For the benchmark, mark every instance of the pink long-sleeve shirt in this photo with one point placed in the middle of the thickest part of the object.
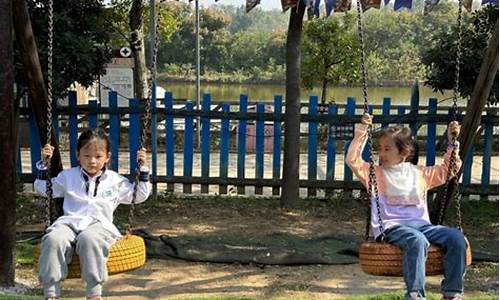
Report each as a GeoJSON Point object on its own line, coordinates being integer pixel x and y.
{"type": "Point", "coordinates": [402, 188]}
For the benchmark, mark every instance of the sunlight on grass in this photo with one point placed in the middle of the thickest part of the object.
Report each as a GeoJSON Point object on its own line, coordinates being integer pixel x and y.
{"type": "Point", "coordinates": [24, 253]}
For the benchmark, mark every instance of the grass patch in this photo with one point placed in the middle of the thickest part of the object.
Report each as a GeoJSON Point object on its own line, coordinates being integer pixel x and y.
{"type": "Point", "coordinates": [24, 253]}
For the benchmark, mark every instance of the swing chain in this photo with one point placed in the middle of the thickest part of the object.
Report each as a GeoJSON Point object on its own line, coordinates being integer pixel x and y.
{"type": "Point", "coordinates": [452, 175]}
{"type": "Point", "coordinates": [458, 59]}
{"type": "Point", "coordinates": [147, 117]}
{"type": "Point", "coordinates": [48, 185]}
{"type": "Point", "coordinates": [372, 180]}
{"type": "Point", "coordinates": [453, 168]}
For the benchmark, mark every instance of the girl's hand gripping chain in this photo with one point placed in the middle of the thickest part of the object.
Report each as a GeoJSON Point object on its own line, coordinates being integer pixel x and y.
{"type": "Point", "coordinates": [366, 119]}
{"type": "Point", "coordinates": [453, 130]}
{"type": "Point", "coordinates": [142, 156]}
{"type": "Point", "coordinates": [47, 153]}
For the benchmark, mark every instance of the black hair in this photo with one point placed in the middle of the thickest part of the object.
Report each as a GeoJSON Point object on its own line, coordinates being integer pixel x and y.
{"type": "Point", "coordinates": [89, 135]}
{"type": "Point", "coordinates": [404, 141]}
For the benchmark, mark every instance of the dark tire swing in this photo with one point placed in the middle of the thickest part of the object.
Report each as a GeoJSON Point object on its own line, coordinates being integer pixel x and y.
{"type": "Point", "coordinates": [382, 258]}
{"type": "Point", "coordinates": [128, 253]}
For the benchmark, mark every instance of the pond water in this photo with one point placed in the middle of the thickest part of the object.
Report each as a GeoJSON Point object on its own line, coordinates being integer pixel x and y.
{"type": "Point", "coordinates": [265, 92]}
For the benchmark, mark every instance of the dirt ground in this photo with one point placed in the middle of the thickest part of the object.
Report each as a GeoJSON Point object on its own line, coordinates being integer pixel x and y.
{"type": "Point", "coordinates": [254, 217]}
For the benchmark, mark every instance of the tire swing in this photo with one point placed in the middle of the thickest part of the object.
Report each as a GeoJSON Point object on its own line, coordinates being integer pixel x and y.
{"type": "Point", "coordinates": [382, 258]}
{"type": "Point", "coordinates": [128, 253]}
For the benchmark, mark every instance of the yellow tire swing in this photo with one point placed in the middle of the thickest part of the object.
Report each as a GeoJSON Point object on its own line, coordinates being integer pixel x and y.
{"type": "Point", "coordinates": [382, 258]}
{"type": "Point", "coordinates": [128, 253]}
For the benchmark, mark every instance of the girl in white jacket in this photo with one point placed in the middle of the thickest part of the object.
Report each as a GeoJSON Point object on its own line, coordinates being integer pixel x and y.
{"type": "Point", "coordinates": [91, 194]}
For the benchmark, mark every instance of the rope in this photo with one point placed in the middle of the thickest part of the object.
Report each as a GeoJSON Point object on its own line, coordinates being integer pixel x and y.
{"type": "Point", "coordinates": [145, 125]}
{"type": "Point", "coordinates": [372, 181]}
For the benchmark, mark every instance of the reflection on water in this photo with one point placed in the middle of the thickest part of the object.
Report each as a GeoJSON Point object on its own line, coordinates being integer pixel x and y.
{"type": "Point", "coordinates": [263, 92]}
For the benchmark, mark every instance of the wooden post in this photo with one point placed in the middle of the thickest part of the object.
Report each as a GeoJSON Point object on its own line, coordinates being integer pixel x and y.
{"type": "Point", "coordinates": [25, 41]}
{"type": "Point", "coordinates": [8, 149]}
{"type": "Point", "coordinates": [290, 183]}
{"type": "Point", "coordinates": [472, 119]}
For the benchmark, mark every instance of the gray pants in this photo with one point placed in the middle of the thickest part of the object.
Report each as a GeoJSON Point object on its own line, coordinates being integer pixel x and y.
{"type": "Point", "coordinates": [92, 245]}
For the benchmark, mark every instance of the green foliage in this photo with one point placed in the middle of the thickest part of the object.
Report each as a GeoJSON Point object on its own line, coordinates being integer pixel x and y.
{"type": "Point", "coordinates": [180, 48]}
{"type": "Point", "coordinates": [81, 44]}
{"type": "Point", "coordinates": [439, 57]}
{"type": "Point", "coordinates": [168, 18]}
{"type": "Point", "coordinates": [226, 56]}
{"type": "Point", "coordinates": [330, 51]}
{"type": "Point", "coordinates": [246, 47]}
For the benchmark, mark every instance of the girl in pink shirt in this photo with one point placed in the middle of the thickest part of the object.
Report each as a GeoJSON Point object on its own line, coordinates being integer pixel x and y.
{"type": "Point", "coordinates": [403, 188]}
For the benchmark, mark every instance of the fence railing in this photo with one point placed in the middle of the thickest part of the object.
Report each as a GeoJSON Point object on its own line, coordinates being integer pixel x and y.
{"type": "Point", "coordinates": [239, 139]}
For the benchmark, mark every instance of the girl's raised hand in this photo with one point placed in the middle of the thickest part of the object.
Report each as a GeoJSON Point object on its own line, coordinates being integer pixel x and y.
{"type": "Point", "coordinates": [453, 130]}
{"type": "Point", "coordinates": [142, 156]}
{"type": "Point", "coordinates": [47, 153]}
{"type": "Point", "coordinates": [366, 119]}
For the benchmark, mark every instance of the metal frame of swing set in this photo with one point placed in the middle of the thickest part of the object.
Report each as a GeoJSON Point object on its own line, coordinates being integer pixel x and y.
{"type": "Point", "coordinates": [128, 253]}
{"type": "Point", "coordinates": [381, 258]}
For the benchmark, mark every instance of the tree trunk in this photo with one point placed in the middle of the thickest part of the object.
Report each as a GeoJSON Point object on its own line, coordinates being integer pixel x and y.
{"type": "Point", "coordinates": [137, 46]}
{"type": "Point", "coordinates": [8, 150]}
{"type": "Point", "coordinates": [323, 90]}
{"type": "Point", "coordinates": [472, 119]}
{"type": "Point", "coordinates": [25, 41]}
{"type": "Point", "coordinates": [290, 184]}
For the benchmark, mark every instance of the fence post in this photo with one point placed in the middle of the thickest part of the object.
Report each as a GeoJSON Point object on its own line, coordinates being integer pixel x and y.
{"type": "Point", "coordinates": [114, 130]}
{"type": "Point", "coordinates": [169, 139]}
{"type": "Point", "coordinates": [312, 145]}
{"type": "Point", "coordinates": [278, 105]}
{"type": "Point", "coordinates": [134, 134]}
{"type": "Point", "coordinates": [259, 148]}
{"type": "Point", "coordinates": [224, 148]}
{"type": "Point", "coordinates": [55, 121]}
{"type": "Point", "coordinates": [242, 131]}
{"type": "Point", "coordinates": [386, 110]}
{"type": "Point", "coordinates": [34, 145]}
{"type": "Point", "coordinates": [401, 112]}
{"type": "Point", "coordinates": [431, 134]}
{"type": "Point", "coordinates": [205, 142]}
{"type": "Point", "coordinates": [330, 150]}
{"type": "Point", "coordinates": [93, 114]}
{"type": "Point", "coordinates": [188, 148]}
{"type": "Point", "coordinates": [73, 128]}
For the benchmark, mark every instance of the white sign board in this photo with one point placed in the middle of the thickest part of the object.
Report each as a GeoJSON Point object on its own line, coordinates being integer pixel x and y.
{"type": "Point", "coordinates": [120, 80]}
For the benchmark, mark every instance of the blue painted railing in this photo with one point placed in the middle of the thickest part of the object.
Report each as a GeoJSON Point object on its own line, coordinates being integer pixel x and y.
{"type": "Point", "coordinates": [217, 135]}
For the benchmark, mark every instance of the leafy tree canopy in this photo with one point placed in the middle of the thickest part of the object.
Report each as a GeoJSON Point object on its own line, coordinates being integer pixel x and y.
{"type": "Point", "coordinates": [439, 55]}
{"type": "Point", "coordinates": [330, 51]}
{"type": "Point", "coordinates": [81, 45]}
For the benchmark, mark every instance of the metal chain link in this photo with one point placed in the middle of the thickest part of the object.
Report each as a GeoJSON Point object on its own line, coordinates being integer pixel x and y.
{"type": "Point", "coordinates": [372, 180]}
{"type": "Point", "coordinates": [147, 117]}
{"type": "Point", "coordinates": [48, 185]}
{"type": "Point", "coordinates": [452, 167]}
{"type": "Point", "coordinates": [458, 59]}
